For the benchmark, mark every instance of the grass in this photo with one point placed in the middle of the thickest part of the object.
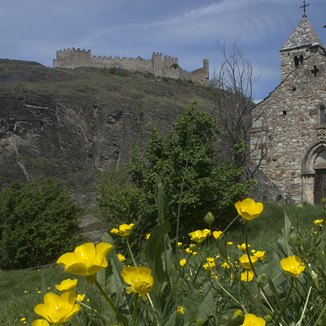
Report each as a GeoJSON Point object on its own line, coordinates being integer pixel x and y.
{"type": "Point", "coordinates": [22, 290]}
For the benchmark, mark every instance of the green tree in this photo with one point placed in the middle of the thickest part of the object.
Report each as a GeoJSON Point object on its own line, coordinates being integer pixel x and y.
{"type": "Point", "coordinates": [38, 222]}
{"type": "Point", "coordinates": [121, 203]}
{"type": "Point", "coordinates": [210, 185]}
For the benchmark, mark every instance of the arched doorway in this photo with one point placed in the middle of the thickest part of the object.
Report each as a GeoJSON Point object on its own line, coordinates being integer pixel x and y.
{"type": "Point", "coordinates": [320, 178]}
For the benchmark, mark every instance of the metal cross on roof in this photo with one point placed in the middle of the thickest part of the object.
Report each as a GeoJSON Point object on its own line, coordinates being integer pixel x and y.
{"type": "Point", "coordinates": [304, 7]}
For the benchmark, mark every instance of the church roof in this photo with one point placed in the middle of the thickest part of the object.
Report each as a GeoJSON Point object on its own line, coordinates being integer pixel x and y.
{"type": "Point", "coordinates": [303, 36]}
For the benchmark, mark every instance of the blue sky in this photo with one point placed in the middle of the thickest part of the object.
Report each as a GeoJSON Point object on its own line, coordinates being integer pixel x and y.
{"type": "Point", "coordinates": [187, 29]}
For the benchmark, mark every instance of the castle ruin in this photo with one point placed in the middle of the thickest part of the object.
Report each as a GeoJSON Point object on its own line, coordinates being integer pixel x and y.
{"type": "Point", "coordinates": [167, 67]}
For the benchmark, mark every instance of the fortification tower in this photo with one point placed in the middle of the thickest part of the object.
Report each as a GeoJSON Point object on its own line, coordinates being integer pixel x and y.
{"type": "Point", "coordinates": [302, 43]}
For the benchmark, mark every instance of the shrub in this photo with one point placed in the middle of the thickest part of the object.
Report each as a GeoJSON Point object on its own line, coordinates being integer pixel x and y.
{"type": "Point", "coordinates": [38, 222]}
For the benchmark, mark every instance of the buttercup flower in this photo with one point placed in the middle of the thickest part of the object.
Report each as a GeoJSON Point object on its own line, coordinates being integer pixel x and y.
{"type": "Point", "coordinates": [229, 243]}
{"type": "Point", "coordinates": [121, 258]}
{"type": "Point", "coordinates": [140, 279]}
{"type": "Point", "coordinates": [247, 276]}
{"type": "Point", "coordinates": [243, 247]}
{"type": "Point", "coordinates": [244, 260]}
{"type": "Point", "coordinates": [217, 235]}
{"type": "Point", "coordinates": [260, 254]}
{"type": "Point", "coordinates": [192, 246]}
{"type": "Point", "coordinates": [182, 262]}
{"type": "Point", "coordinates": [188, 251]}
{"type": "Point", "coordinates": [248, 209]}
{"type": "Point", "coordinates": [206, 232]}
{"type": "Point", "coordinates": [252, 320]}
{"type": "Point", "coordinates": [179, 244]}
{"type": "Point", "coordinates": [86, 260]}
{"type": "Point", "coordinates": [197, 236]}
{"type": "Point", "coordinates": [209, 265]}
{"type": "Point", "coordinates": [225, 265]}
{"type": "Point", "coordinates": [318, 222]}
{"type": "Point", "coordinates": [124, 230]}
{"type": "Point", "coordinates": [293, 266]}
{"type": "Point", "coordinates": [194, 253]}
{"type": "Point", "coordinates": [57, 310]}
{"type": "Point", "coordinates": [80, 297]}
{"type": "Point", "coordinates": [67, 285]}
{"type": "Point", "coordinates": [146, 236]}
{"type": "Point", "coordinates": [40, 322]}
{"type": "Point", "coordinates": [180, 310]}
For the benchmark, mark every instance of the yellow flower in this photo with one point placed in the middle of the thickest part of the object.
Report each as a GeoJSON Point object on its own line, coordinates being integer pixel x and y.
{"type": "Point", "coordinates": [180, 310]}
{"type": "Point", "coordinates": [248, 209]}
{"type": "Point", "coordinates": [40, 322]}
{"type": "Point", "coordinates": [217, 235]}
{"type": "Point", "coordinates": [121, 258]}
{"type": "Point", "coordinates": [124, 230]}
{"type": "Point", "coordinates": [146, 236]}
{"type": "Point", "coordinates": [209, 265]}
{"type": "Point", "coordinates": [57, 309]}
{"type": "Point", "coordinates": [244, 260]}
{"type": "Point", "coordinates": [252, 320]}
{"type": "Point", "coordinates": [67, 285]}
{"type": "Point", "coordinates": [179, 244]}
{"type": "Point", "coordinates": [140, 279]}
{"type": "Point", "coordinates": [318, 222]}
{"type": "Point", "coordinates": [194, 253]}
{"type": "Point", "coordinates": [23, 319]}
{"type": "Point", "coordinates": [182, 262]}
{"type": "Point", "coordinates": [80, 297]}
{"type": "Point", "coordinates": [247, 275]}
{"type": "Point", "coordinates": [243, 247]}
{"type": "Point", "coordinates": [206, 232]}
{"type": "Point", "coordinates": [86, 260]}
{"type": "Point", "coordinates": [237, 318]}
{"type": "Point", "coordinates": [260, 254]}
{"type": "Point", "coordinates": [293, 266]}
{"type": "Point", "coordinates": [188, 251]}
{"type": "Point", "coordinates": [225, 265]}
{"type": "Point", "coordinates": [197, 236]}
{"type": "Point", "coordinates": [229, 243]}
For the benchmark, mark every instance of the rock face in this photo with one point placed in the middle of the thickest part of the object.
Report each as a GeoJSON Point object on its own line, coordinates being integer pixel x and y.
{"type": "Point", "coordinates": [74, 123]}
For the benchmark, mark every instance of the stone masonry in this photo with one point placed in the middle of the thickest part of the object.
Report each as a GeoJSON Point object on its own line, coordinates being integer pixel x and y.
{"type": "Point", "coordinates": [288, 136]}
{"type": "Point", "coordinates": [167, 67]}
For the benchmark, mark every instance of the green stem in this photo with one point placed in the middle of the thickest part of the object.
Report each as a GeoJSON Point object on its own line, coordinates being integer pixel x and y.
{"type": "Point", "coordinates": [111, 304]}
{"type": "Point", "coordinates": [320, 316]}
{"type": "Point", "coordinates": [132, 256]}
{"type": "Point", "coordinates": [286, 301]}
{"type": "Point", "coordinates": [135, 310]}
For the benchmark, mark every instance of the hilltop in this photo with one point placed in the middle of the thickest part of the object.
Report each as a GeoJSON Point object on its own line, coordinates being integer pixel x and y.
{"type": "Point", "coordinates": [74, 123]}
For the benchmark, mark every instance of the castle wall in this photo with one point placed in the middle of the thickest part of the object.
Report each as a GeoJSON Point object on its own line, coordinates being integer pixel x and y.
{"type": "Point", "coordinates": [287, 126]}
{"type": "Point", "coordinates": [73, 58]}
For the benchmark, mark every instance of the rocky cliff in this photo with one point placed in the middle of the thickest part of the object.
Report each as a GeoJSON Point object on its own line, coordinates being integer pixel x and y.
{"type": "Point", "coordinates": [74, 123]}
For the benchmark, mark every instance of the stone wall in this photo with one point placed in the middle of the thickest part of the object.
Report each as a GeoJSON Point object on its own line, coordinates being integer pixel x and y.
{"type": "Point", "coordinates": [73, 58]}
{"type": "Point", "coordinates": [288, 129]}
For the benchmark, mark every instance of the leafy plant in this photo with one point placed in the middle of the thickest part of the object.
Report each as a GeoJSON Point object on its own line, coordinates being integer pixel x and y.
{"type": "Point", "coordinates": [209, 183]}
{"type": "Point", "coordinates": [38, 222]}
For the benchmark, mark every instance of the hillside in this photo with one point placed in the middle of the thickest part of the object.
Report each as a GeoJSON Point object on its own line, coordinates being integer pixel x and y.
{"type": "Point", "coordinates": [74, 123]}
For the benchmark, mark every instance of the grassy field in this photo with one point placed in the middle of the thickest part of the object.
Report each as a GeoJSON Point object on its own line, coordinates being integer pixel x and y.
{"type": "Point", "coordinates": [22, 290]}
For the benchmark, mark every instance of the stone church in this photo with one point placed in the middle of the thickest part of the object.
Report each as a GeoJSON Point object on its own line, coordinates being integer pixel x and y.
{"type": "Point", "coordinates": [288, 136]}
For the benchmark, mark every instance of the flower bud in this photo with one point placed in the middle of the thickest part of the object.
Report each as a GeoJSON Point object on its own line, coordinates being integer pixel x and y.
{"type": "Point", "coordinates": [192, 246]}
{"type": "Point", "coordinates": [268, 318]}
{"type": "Point", "coordinates": [237, 318]}
{"type": "Point", "coordinates": [323, 199]}
{"type": "Point", "coordinates": [200, 321]}
{"type": "Point", "coordinates": [209, 218]}
{"type": "Point", "coordinates": [260, 278]}
{"type": "Point", "coordinates": [299, 206]}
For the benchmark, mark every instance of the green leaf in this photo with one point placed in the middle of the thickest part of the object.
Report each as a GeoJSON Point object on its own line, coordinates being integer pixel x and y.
{"type": "Point", "coordinates": [284, 240]}
{"type": "Point", "coordinates": [160, 199]}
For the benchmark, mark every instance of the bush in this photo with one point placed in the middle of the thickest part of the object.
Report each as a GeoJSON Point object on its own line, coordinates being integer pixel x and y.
{"type": "Point", "coordinates": [38, 222]}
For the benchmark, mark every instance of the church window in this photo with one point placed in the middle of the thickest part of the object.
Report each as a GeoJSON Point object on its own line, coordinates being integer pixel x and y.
{"type": "Point", "coordinates": [296, 61]}
{"type": "Point", "coordinates": [322, 115]}
{"type": "Point", "coordinates": [301, 58]}
{"type": "Point", "coordinates": [294, 89]}
{"type": "Point", "coordinates": [284, 112]}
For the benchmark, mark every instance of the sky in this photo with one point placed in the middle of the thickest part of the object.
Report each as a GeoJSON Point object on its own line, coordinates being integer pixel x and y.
{"type": "Point", "coordinates": [189, 30]}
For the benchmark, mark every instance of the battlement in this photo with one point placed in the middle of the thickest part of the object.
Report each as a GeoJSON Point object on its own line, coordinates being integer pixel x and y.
{"type": "Point", "coordinates": [157, 65]}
